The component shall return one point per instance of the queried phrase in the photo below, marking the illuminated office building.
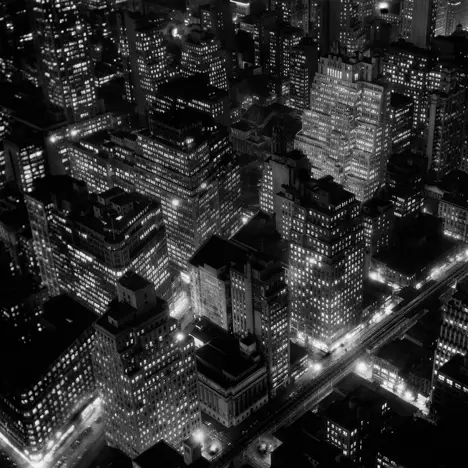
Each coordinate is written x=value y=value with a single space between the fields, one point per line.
x=453 y=338
x=280 y=168
x=202 y=54
x=323 y=224
x=346 y=132
x=401 y=121
x=194 y=92
x=85 y=243
x=294 y=12
x=66 y=74
x=145 y=371
x=406 y=68
x=405 y=177
x=244 y=292
x=345 y=26
x=187 y=163
x=283 y=39
x=446 y=120
x=24 y=155
x=47 y=382
x=144 y=57
x=303 y=67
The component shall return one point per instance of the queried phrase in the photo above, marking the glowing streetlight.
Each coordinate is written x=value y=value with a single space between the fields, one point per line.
x=199 y=436
x=317 y=367
x=244 y=219
x=53 y=139
x=180 y=337
x=175 y=202
x=74 y=132
x=361 y=367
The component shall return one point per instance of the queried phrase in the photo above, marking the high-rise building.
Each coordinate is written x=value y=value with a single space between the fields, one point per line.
x=280 y=168
x=401 y=121
x=282 y=39
x=446 y=120
x=424 y=22
x=304 y=61
x=323 y=223
x=25 y=159
x=294 y=12
x=47 y=381
x=187 y=163
x=202 y=54
x=453 y=338
x=231 y=392
x=66 y=74
x=145 y=371
x=245 y=292
x=144 y=58
x=345 y=26
x=346 y=132
x=405 y=179
x=406 y=67
x=378 y=219
x=84 y=246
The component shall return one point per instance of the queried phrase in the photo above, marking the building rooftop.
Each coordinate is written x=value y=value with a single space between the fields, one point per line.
x=121 y=315
x=218 y=252
x=160 y=454
x=115 y=217
x=422 y=246
x=134 y=282
x=408 y=357
x=455 y=188
x=260 y=234
x=345 y=413
x=456 y=369
x=222 y=360
x=400 y=100
x=64 y=321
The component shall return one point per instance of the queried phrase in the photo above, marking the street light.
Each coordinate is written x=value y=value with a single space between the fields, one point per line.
x=199 y=436
x=361 y=367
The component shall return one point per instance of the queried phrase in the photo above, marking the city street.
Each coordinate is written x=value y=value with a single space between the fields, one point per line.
x=288 y=407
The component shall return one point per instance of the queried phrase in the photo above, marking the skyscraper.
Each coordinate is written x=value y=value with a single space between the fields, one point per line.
x=145 y=371
x=66 y=74
x=144 y=57
x=202 y=53
x=84 y=246
x=453 y=338
x=303 y=67
x=323 y=224
x=245 y=292
x=345 y=25
x=406 y=68
x=446 y=119
x=346 y=132
x=187 y=163
x=280 y=168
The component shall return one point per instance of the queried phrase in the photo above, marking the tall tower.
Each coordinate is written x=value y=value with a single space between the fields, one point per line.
x=145 y=371
x=346 y=132
x=66 y=73
x=345 y=25
x=188 y=164
x=84 y=245
x=144 y=59
x=202 y=53
x=245 y=292
x=323 y=224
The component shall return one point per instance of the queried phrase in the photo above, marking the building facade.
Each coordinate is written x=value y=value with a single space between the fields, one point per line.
x=145 y=371
x=323 y=223
x=346 y=132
